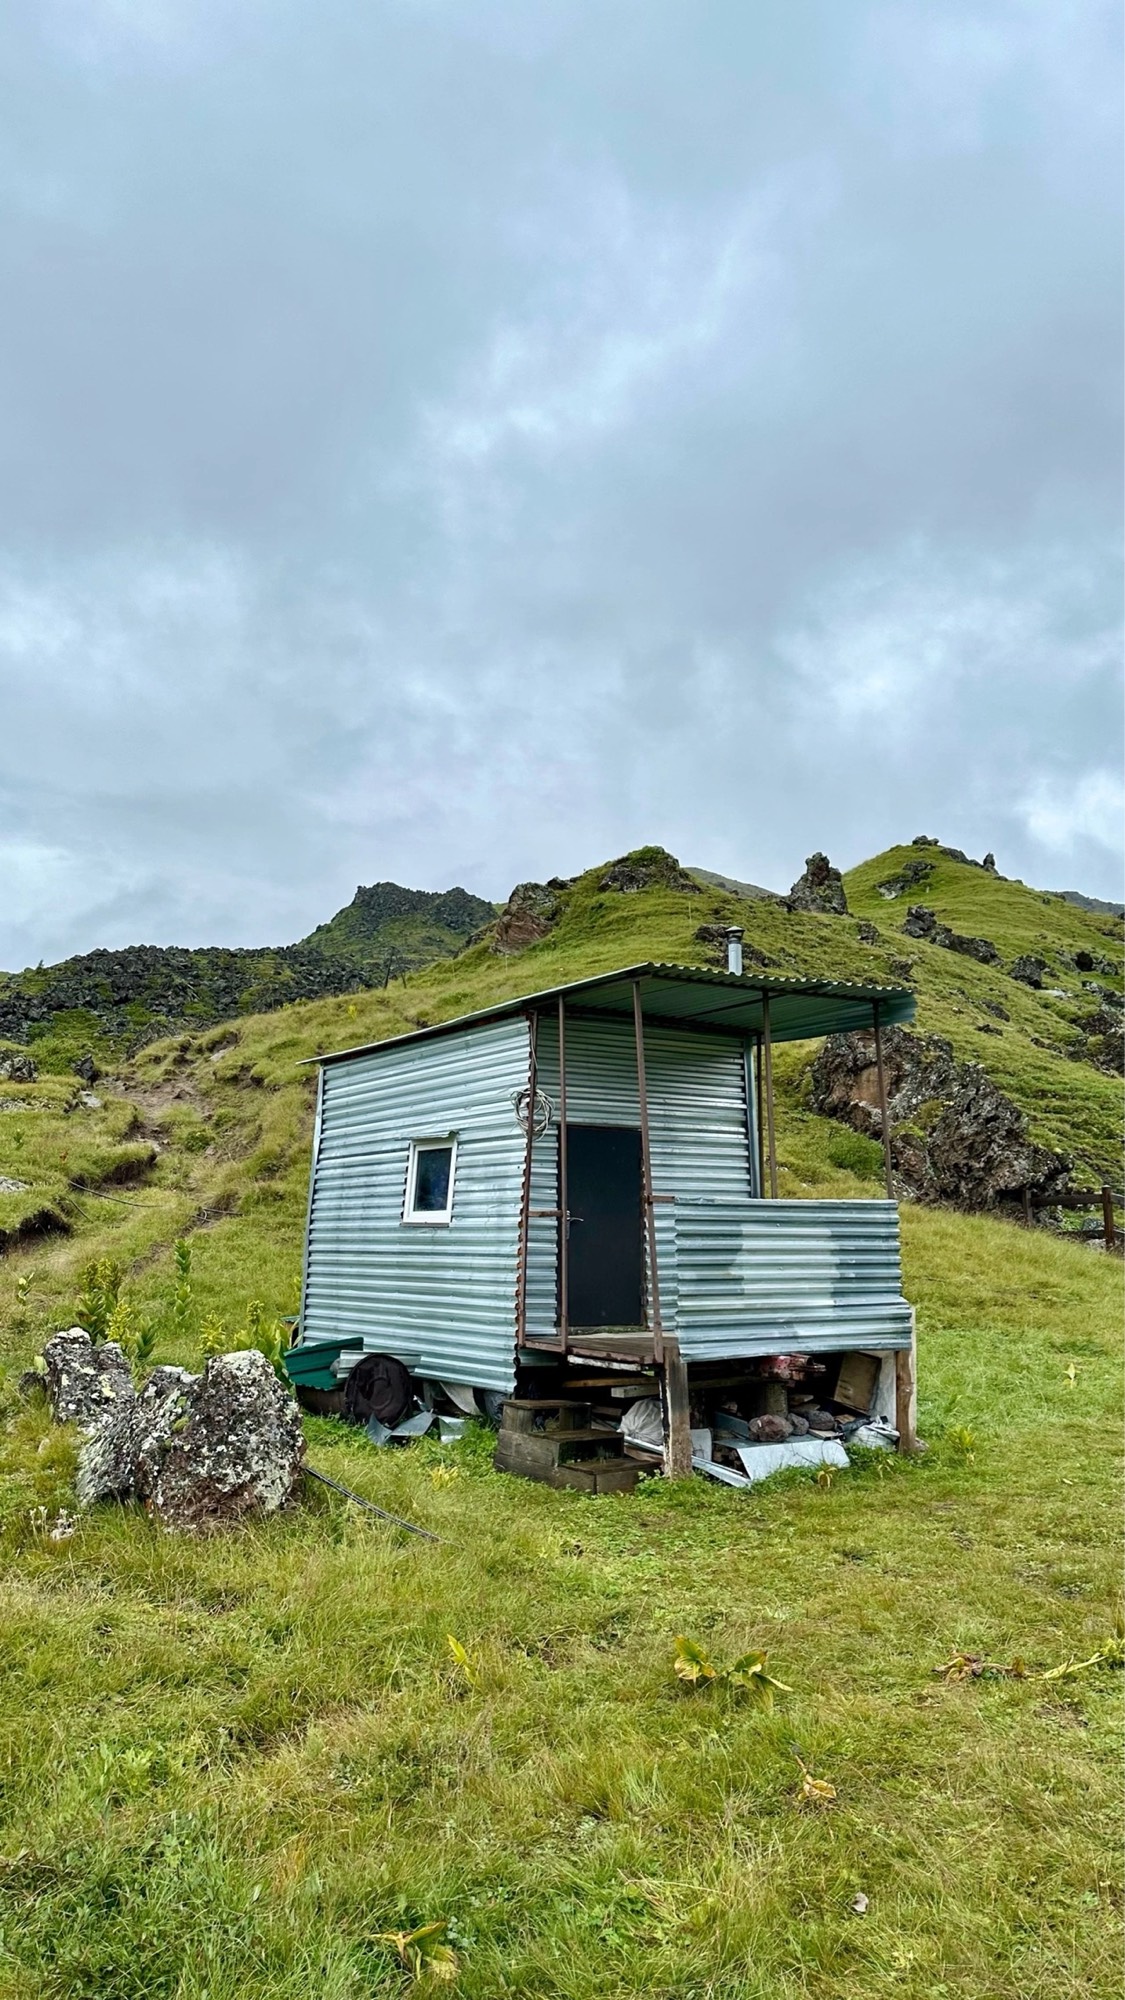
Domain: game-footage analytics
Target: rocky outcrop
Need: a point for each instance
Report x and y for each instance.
(648, 868)
(958, 854)
(867, 932)
(1103, 1040)
(910, 876)
(819, 889)
(921, 922)
(532, 909)
(201, 1451)
(1029, 970)
(955, 1136)
(84, 1381)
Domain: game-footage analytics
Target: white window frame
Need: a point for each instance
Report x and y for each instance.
(430, 1218)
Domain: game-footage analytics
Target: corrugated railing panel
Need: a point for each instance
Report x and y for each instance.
(440, 1298)
(761, 1277)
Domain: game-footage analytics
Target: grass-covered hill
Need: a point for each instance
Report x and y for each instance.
(218, 1120)
(235, 1769)
(106, 1003)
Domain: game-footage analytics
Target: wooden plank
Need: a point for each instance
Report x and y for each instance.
(906, 1399)
(676, 1412)
(602, 1479)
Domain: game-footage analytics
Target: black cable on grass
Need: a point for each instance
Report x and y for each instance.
(336, 1486)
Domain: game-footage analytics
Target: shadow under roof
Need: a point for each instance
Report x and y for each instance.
(692, 996)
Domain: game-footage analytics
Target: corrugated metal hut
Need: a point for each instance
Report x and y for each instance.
(586, 1178)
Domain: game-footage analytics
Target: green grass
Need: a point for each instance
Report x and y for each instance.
(227, 1767)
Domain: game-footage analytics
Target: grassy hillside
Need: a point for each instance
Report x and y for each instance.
(230, 1768)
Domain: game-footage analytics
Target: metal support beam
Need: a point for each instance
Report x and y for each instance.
(564, 1191)
(767, 1056)
(655, 1324)
(761, 1138)
(525, 1193)
(884, 1114)
(1108, 1225)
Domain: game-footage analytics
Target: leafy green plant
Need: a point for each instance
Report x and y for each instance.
(101, 1288)
(747, 1674)
(424, 1953)
(461, 1661)
(212, 1337)
(182, 1313)
(263, 1330)
(135, 1336)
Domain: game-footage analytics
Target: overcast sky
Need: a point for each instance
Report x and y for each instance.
(458, 440)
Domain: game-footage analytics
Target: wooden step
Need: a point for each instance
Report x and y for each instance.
(537, 1454)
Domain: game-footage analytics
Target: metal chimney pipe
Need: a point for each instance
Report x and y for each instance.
(734, 948)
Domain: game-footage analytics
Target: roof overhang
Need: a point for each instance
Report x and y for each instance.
(685, 996)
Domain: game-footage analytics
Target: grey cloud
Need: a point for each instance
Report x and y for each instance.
(455, 444)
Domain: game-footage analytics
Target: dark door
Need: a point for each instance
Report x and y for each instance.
(606, 1262)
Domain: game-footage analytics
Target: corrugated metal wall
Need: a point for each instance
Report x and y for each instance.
(761, 1277)
(442, 1299)
(697, 1124)
(738, 1276)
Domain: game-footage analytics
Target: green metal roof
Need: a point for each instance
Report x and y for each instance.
(692, 996)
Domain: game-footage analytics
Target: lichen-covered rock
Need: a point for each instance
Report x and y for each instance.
(820, 889)
(1029, 970)
(867, 932)
(225, 1446)
(83, 1381)
(115, 1455)
(955, 1136)
(17, 1068)
(529, 913)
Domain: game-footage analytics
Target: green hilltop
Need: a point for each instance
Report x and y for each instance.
(244, 1766)
(106, 1004)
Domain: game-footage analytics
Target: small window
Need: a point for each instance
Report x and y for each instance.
(429, 1181)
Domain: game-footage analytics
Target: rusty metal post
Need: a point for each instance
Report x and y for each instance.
(655, 1324)
(884, 1114)
(564, 1190)
(1107, 1218)
(525, 1195)
(767, 1054)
